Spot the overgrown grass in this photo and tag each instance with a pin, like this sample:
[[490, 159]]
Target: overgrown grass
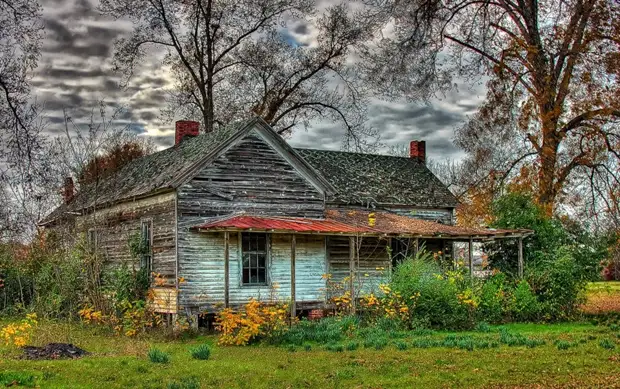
[[402, 359]]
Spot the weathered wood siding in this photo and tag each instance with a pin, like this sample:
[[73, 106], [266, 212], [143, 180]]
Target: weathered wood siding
[[442, 215], [202, 266], [115, 226], [372, 261], [253, 178], [249, 177]]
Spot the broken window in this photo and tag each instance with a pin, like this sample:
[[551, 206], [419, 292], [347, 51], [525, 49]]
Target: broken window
[[254, 256], [146, 247]]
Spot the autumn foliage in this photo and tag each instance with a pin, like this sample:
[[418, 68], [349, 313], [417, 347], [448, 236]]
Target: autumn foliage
[[110, 162]]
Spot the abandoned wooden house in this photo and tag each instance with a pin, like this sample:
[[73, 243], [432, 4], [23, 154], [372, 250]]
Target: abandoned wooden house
[[238, 214]]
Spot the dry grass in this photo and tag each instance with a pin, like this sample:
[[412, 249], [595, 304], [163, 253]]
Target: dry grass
[[602, 298]]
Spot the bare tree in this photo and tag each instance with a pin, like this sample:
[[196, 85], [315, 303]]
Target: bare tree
[[553, 67], [232, 57], [20, 127]]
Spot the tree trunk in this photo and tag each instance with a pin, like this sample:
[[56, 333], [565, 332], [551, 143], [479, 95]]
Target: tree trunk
[[548, 155]]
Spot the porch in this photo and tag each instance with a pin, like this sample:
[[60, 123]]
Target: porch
[[359, 247]]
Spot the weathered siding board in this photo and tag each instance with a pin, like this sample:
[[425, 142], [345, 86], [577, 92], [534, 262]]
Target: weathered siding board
[[310, 268], [115, 226], [253, 178], [442, 215], [202, 265], [372, 262]]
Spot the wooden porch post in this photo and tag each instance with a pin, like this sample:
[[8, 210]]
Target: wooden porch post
[[471, 257], [352, 270], [226, 268], [417, 246], [520, 257], [293, 297]]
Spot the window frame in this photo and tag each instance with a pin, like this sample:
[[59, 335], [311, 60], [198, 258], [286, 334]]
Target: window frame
[[146, 259], [267, 254]]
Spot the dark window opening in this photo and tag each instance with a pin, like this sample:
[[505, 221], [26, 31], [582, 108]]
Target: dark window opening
[[254, 257], [146, 247], [402, 248]]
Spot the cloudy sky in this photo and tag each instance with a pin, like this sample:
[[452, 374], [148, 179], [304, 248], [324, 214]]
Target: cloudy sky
[[75, 72]]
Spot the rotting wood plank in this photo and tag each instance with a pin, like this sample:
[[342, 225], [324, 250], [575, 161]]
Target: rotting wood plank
[[226, 269], [293, 295]]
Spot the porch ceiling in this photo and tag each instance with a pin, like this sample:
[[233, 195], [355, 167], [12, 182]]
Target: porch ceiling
[[358, 222]]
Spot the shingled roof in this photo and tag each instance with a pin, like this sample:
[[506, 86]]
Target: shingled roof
[[379, 179], [357, 178]]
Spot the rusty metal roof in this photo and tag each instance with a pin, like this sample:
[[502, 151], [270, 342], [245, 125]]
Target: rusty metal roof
[[281, 224], [354, 222]]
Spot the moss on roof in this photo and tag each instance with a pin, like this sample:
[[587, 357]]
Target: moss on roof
[[358, 178]]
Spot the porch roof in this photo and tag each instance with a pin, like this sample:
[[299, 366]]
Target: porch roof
[[357, 222]]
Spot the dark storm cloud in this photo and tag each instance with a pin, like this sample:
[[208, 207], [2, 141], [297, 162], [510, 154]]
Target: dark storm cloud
[[76, 73]]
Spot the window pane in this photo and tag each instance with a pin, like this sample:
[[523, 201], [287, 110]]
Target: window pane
[[261, 260], [246, 260], [246, 276], [245, 238], [261, 241], [261, 275], [254, 276]]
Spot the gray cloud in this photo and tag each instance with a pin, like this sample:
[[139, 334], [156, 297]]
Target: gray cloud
[[76, 72]]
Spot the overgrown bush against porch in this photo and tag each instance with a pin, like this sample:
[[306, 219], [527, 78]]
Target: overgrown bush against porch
[[426, 293]]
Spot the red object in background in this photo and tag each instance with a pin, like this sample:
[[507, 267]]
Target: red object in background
[[417, 150], [68, 190], [315, 314], [185, 129]]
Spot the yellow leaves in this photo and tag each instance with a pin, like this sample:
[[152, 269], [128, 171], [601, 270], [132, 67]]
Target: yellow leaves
[[254, 320], [182, 280], [18, 334]]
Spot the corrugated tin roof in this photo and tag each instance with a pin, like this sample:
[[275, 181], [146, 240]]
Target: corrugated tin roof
[[353, 222], [281, 224]]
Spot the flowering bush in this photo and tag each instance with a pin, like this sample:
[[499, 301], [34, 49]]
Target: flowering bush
[[18, 334], [389, 305], [254, 321]]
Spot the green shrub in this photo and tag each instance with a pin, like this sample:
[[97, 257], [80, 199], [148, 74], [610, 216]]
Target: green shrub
[[401, 345], [483, 327], [202, 352], [158, 356], [17, 378], [563, 344], [607, 344], [433, 297], [307, 346], [493, 296], [524, 305], [352, 346]]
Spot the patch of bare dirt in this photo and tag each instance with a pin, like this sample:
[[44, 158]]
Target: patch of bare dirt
[[54, 351]]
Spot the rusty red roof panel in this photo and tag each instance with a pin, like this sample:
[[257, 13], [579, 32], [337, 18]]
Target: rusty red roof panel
[[265, 223]]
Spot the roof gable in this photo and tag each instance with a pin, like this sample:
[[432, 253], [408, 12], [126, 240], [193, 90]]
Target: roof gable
[[168, 169]]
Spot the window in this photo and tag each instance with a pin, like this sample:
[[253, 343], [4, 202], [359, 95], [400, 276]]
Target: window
[[254, 255], [146, 247], [91, 240]]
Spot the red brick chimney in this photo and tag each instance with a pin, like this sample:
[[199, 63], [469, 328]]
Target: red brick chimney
[[417, 149], [185, 129], [68, 190]]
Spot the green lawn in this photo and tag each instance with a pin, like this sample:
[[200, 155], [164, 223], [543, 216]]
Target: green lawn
[[118, 362]]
